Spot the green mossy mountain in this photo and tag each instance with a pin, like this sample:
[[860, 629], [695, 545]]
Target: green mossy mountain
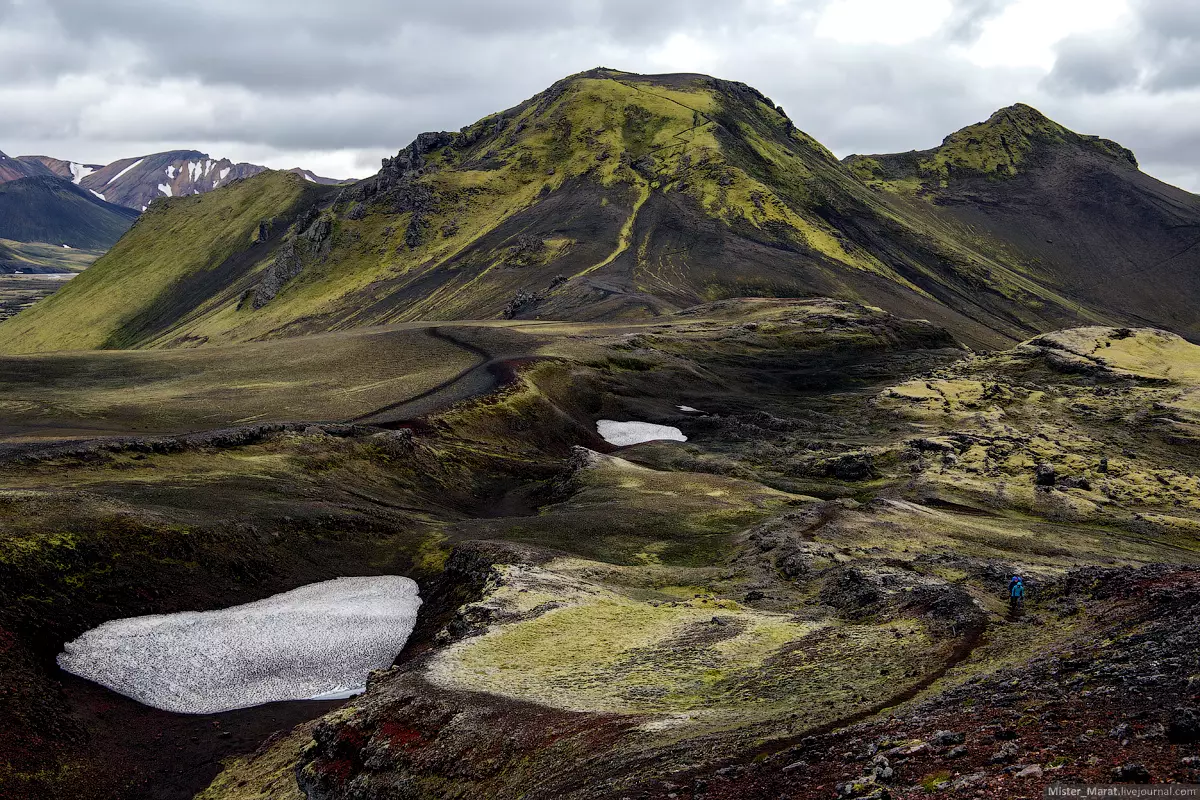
[[51, 210], [613, 195]]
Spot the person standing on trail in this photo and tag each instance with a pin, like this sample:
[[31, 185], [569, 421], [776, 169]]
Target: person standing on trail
[[1016, 592]]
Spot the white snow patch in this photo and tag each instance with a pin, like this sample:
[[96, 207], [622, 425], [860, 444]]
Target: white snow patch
[[79, 171], [208, 165], [166, 189], [689, 409], [66, 247], [195, 170], [626, 433], [122, 172], [143, 208], [311, 642], [171, 172], [340, 694], [309, 178], [93, 191], [224, 172]]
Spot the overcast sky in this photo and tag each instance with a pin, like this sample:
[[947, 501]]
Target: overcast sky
[[335, 86]]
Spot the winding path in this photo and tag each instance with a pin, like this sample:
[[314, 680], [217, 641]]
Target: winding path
[[491, 371]]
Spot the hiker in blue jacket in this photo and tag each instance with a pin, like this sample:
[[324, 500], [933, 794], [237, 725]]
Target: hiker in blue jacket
[[1016, 592]]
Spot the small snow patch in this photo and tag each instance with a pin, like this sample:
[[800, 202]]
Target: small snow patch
[[93, 191], [171, 172], [623, 434], [122, 172], [166, 189], [340, 694], [689, 409], [224, 172], [66, 247], [311, 642]]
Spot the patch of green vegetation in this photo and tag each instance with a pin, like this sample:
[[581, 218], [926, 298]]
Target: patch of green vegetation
[[935, 781], [269, 774]]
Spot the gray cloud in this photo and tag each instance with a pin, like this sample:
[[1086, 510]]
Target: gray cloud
[[1093, 66], [1158, 52], [338, 86], [968, 17]]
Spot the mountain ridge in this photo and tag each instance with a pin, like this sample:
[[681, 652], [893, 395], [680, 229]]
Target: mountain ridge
[[136, 182], [615, 195]]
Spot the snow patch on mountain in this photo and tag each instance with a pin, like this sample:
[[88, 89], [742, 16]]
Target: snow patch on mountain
[[79, 172], [122, 172], [166, 189]]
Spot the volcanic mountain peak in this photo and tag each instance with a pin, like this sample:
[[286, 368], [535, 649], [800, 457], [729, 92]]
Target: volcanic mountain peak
[[1012, 140]]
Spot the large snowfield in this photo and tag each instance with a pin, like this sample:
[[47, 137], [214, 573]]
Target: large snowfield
[[319, 640]]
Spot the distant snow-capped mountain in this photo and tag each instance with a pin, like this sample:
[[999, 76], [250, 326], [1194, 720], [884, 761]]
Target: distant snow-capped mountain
[[136, 182]]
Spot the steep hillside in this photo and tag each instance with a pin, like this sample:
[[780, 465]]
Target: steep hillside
[[52, 210], [1075, 209], [615, 195], [185, 256]]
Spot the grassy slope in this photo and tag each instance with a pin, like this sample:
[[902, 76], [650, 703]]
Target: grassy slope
[[175, 241]]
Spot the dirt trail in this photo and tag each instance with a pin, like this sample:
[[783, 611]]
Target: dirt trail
[[489, 373]]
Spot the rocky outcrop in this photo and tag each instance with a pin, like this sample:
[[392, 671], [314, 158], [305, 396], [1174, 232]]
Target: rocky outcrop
[[313, 243]]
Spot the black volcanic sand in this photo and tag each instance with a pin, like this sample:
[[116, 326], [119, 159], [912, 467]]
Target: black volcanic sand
[[158, 754]]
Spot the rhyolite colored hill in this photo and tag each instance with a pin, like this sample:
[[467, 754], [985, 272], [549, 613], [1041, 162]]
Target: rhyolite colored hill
[[612, 195], [51, 210], [137, 182], [12, 169]]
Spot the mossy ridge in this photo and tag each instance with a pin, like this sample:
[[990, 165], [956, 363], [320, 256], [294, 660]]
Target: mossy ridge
[[997, 148]]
